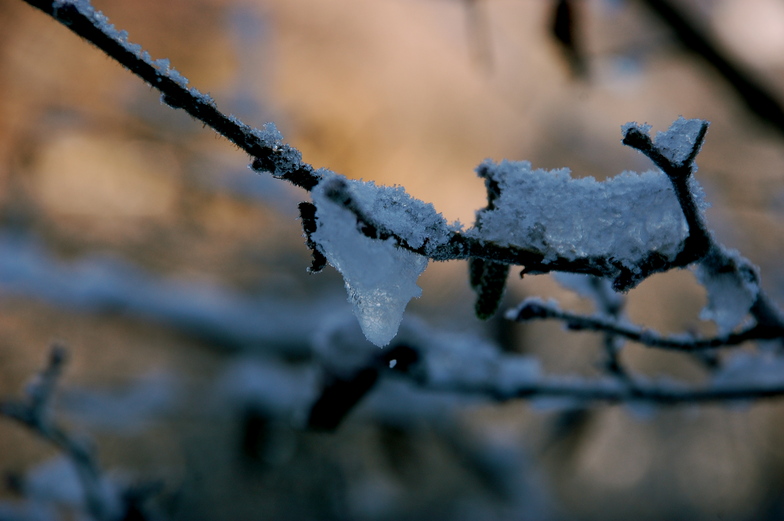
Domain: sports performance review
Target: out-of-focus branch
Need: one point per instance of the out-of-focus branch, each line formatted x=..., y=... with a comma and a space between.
x=756, y=96
x=535, y=309
x=480, y=372
x=614, y=391
x=34, y=412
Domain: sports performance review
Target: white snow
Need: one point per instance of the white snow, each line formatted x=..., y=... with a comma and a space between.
x=623, y=218
x=677, y=142
x=380, y=277
x=730, y=294
x=415, y=221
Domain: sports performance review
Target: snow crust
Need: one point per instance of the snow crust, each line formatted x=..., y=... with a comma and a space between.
x=380, y=277
x=622, y=218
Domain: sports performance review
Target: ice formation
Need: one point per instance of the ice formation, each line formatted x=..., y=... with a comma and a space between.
x=380, y=277
x=623, y=218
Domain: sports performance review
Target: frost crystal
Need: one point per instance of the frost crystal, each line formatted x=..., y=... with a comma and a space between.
x=380, y=277
x=623, y=218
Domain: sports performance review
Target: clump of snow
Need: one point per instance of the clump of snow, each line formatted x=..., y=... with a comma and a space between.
x=677, y=142
x=269, y=134
x=623, y=218
x=415, y=221
x=380, y=277
x=731, y=292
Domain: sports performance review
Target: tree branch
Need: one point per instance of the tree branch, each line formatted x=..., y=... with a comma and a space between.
x=34, y=412
x=758, y=98
x=535, y=309
x=269, y=154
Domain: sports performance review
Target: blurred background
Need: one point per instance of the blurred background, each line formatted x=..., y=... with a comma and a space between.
x=176, y=276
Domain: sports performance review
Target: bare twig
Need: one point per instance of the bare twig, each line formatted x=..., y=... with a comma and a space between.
x=34, y=412
x=615, y=391
x=281, y=160
x=534, y=309
x=757, y=97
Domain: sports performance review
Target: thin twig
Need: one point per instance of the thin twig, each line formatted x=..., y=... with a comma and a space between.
x=280, y=159
x=699, y=240
x=759, y=99
x=533, y=309
x=34, y=412
x=584, y=390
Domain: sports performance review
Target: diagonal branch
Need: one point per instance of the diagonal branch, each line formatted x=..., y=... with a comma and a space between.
x=264, y=146
x=758, y=98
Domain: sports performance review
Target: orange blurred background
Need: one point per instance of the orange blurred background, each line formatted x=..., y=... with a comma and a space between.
x=407, y=92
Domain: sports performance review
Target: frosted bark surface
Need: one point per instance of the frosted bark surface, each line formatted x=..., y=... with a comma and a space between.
x=622, y=218
x=380, y=278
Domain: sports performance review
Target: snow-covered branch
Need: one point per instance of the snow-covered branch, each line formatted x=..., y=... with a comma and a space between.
x=623, y=230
